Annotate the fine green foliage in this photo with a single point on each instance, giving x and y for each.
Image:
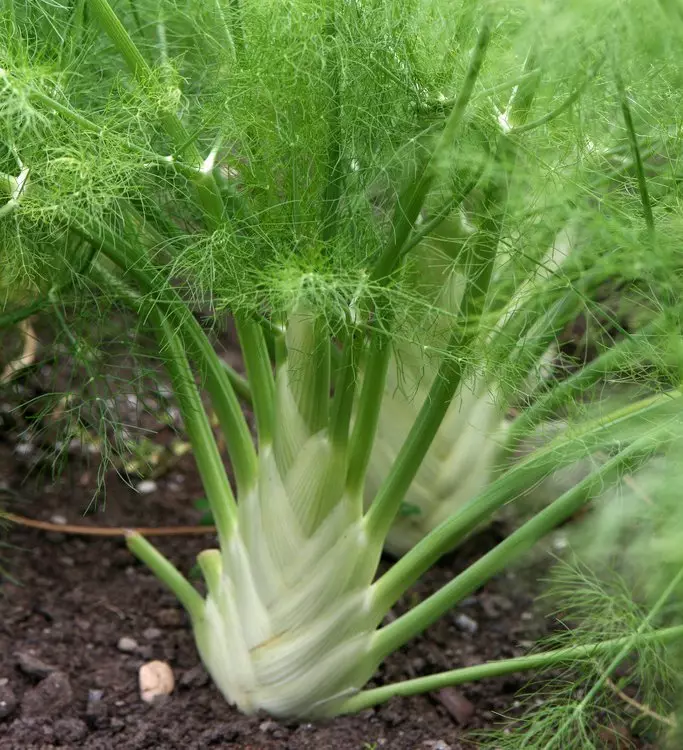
(393, 200)
(638, 587)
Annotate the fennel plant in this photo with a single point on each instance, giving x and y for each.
(293, 164)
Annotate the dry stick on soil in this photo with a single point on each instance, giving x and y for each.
(640, 707)
(69, 528)
(28, 353)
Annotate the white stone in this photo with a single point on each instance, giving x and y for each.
(155, 680)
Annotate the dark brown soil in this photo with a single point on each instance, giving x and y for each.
(74, 598)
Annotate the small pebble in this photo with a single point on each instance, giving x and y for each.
(146, 487)
(155, 680)
(152, 634)
(268, 726)
(59, 519)
(96, 710)
(466, 623)
(436, 745)
(33, 666)
(127, 645)
(169, 618)
(8, 701)
(24, 449)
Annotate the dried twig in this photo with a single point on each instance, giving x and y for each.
(640, 707)
(28, 353)
(107, 531)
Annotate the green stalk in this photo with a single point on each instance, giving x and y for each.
(66, 112)
(259, 374)
(224, 400)
(549, 659)
(238, 28)
(367, 418)
(390, 587)
(411, 201)
(454, 200)
(225, 26)
(137, 64)
(197, 426)
(635, 150)
(384, 507)
(239, 383)
(332, 194)
(560, 452)
(625, 650)
(308, 367)
(166, 572)
(344, 391)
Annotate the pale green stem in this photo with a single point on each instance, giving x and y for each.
(227, 33)
(211, 564)
(344, 390)
(308, 366)
(333, 187)
(441, 214)
(224, 399)
(367, 417)
(549, 659)
(239, 383)
(161, 35)
(137, 64)
(259, 374)
(390, 587)
(386, 503)
(197, 427)
(238, 28)
(168, 574)
(635, 149)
